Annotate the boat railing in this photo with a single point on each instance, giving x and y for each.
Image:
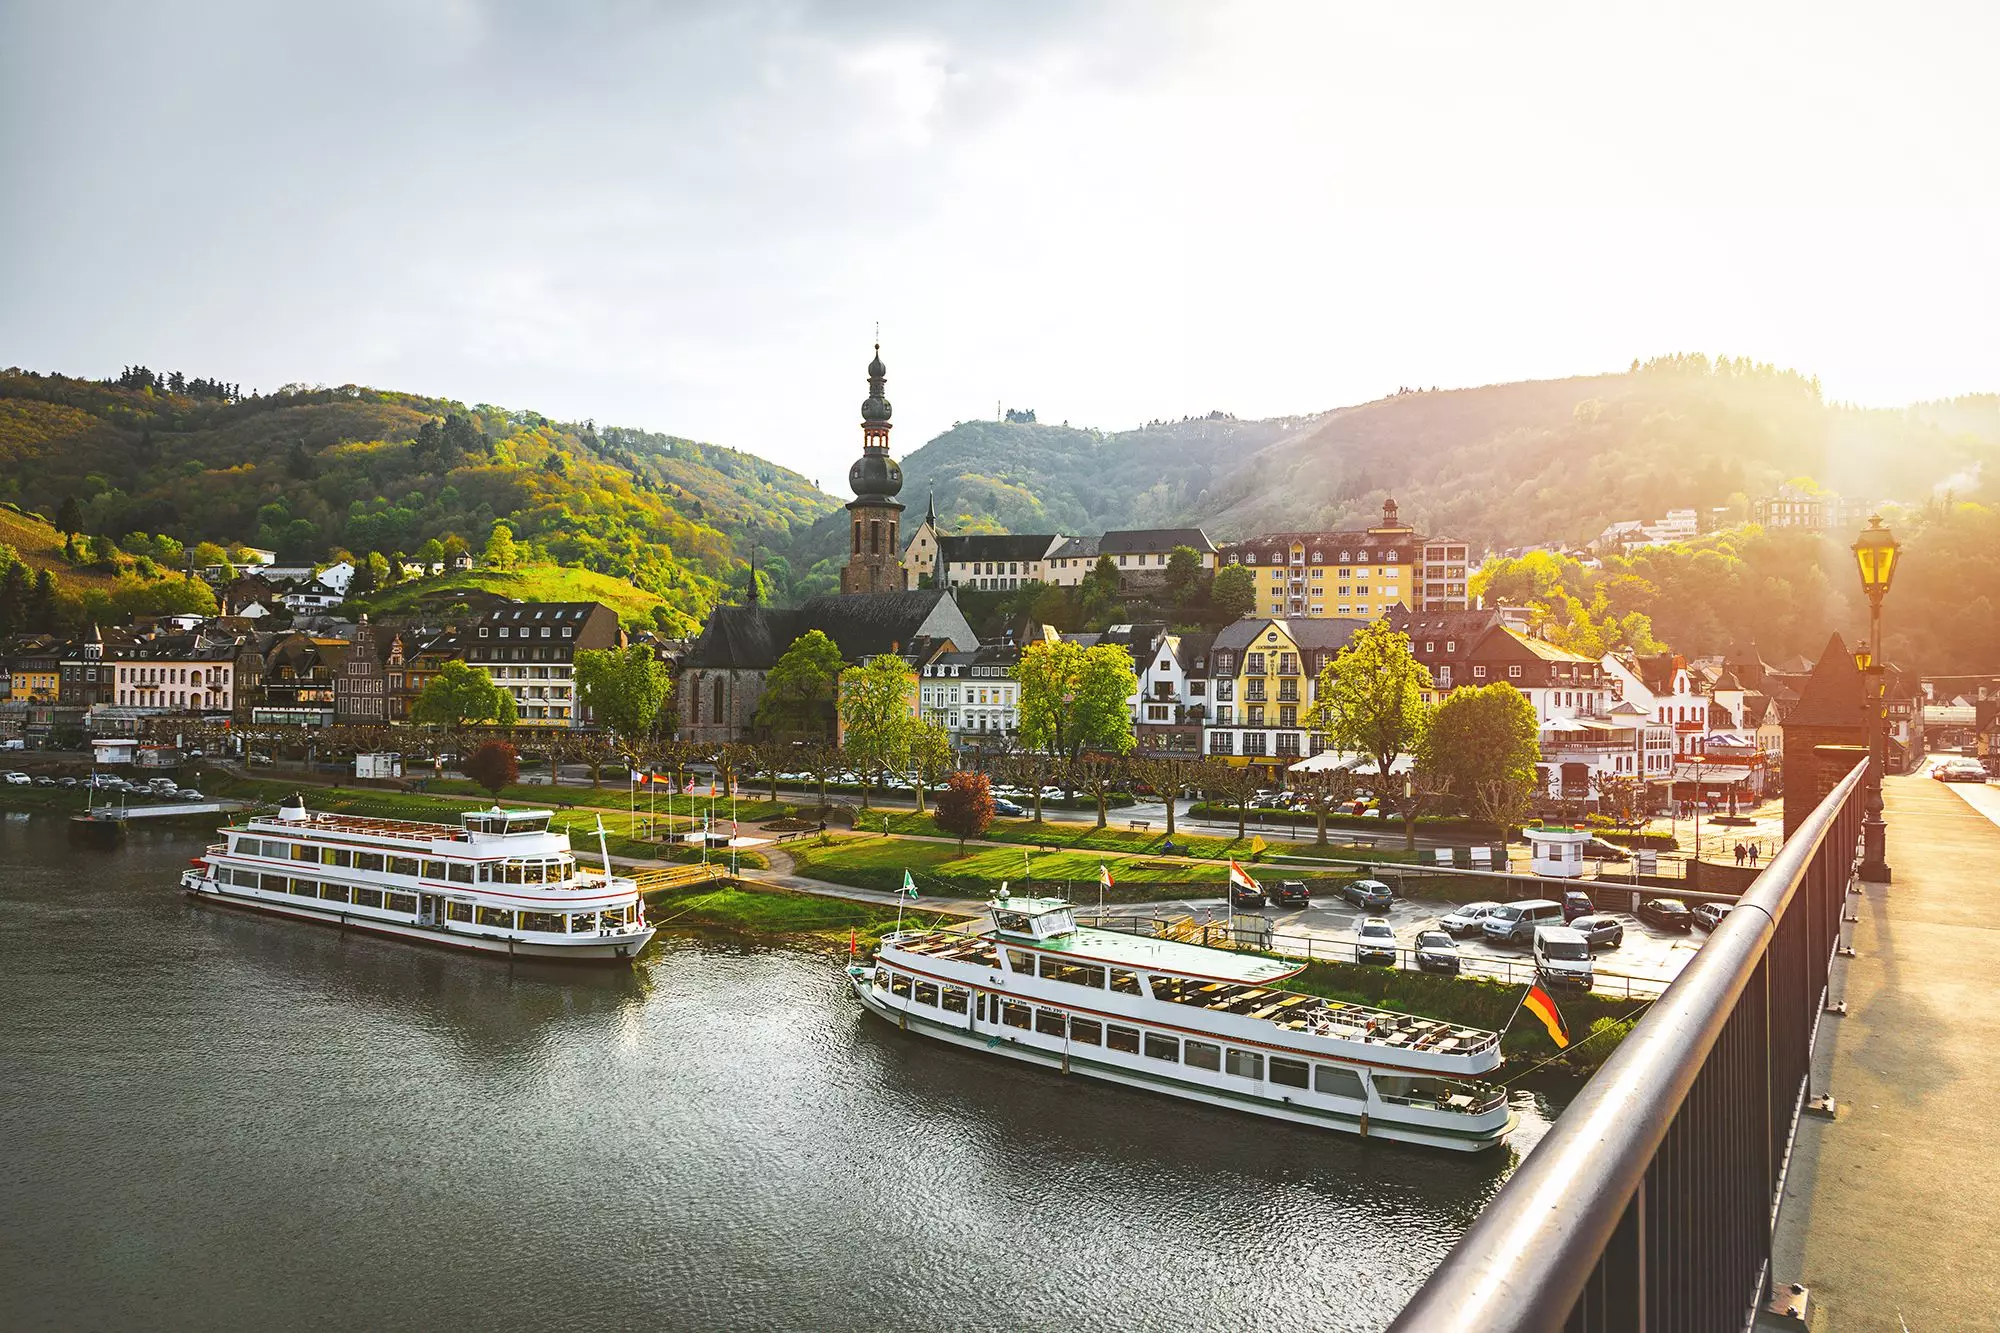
(1459, 1104)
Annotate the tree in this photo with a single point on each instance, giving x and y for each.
(1183, 574)
(799, 691)
(454, 546)
(431, 554)
(500, 553)
(208, 555)
(965, 807)
(1074, 699)
(1370, 701)
(1099, 588)
(15, 593)
(493, 766)
(1325, 790)
(1484, 741)
(876, 715)
(1167, 776)
(1237, 782)
(929, 755)
(818, 761)
(460, 694)
(624, 689)
(1100, 775)
(1234, 592)
(43, 606)
(69, 517)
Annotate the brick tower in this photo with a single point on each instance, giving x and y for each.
(874, 562)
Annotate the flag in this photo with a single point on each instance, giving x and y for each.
(1238, 875)
(689, 789)
(853, 942)
(1104, 874)
(909, 885)
(711, 786)
(1541, 1006)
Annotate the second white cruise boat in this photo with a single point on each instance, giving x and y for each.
(1208, 1024)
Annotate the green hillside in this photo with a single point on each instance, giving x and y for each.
(313, 473)
(102, 586)
(535, 583)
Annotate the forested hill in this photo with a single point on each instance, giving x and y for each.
(310, 472)
(1503, 465)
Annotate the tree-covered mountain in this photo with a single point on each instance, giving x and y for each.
(313, 472)
(1503, 465)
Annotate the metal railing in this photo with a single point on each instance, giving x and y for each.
(1650, 1203)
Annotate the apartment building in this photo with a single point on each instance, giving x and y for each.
(529, 649)
(1262, 674)
(1360, 574)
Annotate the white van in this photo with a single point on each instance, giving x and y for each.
(1514, 923)
(1562, 957)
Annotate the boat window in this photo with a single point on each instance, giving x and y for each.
(955, 999)
(1291, 1073)
(1076, 974)
(368, 861)
(1337, 1081)
(585, 923)
(1013, 1013)
(1050, 1022)
(1013, 921)
(899, 984)
(303, 852)
(336, 856)
(304, 888)
(1409, 1087)
(614, 916)
(368, 897)
(400, 902)
(277, 851)
(1179, 990)
(1126, 983)
(272, 883)
(403, 865)
(1246, 1064)
(1021, 962)
(246, 879)
(1086, 1032)
(458, 911)
(333, 893)
(433, 870)
(979, 1004)
(546, 921)
(1122, 1038)
(881, 978)
(461, 872)
(1159, 1046)
(927, 993)
(1203, 1055)
(496, 916)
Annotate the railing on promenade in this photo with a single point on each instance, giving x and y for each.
(1649, 1205)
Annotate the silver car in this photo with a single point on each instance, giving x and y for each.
(1600, 931)
(1467, 919)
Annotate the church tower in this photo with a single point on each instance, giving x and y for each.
(874, 559)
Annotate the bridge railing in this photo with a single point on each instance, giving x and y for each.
(1649, 1205)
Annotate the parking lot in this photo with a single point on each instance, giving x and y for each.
(1642, 966)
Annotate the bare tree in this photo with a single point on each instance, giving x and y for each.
(1236, 783)
(1167, 775)
(1325, 790)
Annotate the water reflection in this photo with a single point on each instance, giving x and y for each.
(229, 1122)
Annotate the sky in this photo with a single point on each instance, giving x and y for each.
(691, 218)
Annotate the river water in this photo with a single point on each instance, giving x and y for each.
(220, 1121)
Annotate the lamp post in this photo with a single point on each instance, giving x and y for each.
(1875, 556)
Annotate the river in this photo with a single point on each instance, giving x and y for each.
(220, 1121)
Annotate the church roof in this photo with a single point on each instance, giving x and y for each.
(861, 625)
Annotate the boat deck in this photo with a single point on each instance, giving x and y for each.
(1292, 1010)
(320, 821)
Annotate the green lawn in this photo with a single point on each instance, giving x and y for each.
(878, 863)
(766, 911)
(1123, 841)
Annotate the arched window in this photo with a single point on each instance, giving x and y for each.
(717, 710)
(857, 536)
(874, 536)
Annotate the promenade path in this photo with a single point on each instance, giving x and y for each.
(1891, 1213)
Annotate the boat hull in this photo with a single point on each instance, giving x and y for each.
(618, 949)
(1371, 1124)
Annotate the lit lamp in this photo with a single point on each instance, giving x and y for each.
(1875, 556)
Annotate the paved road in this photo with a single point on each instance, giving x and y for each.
(1892, 1212)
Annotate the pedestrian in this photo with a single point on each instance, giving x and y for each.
(1739, 853)
(1753, 854)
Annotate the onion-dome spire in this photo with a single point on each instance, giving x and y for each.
(876, 407)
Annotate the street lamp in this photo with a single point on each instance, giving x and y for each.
(1875, 556)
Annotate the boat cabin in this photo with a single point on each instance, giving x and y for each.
(1032, 918)
(505, 822)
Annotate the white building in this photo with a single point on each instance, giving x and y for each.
(178, 673)
(972, 695)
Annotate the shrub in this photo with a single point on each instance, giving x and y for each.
(965, 807)
(493, 766)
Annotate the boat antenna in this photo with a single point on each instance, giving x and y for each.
(603, 849)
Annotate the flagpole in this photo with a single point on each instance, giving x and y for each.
(1518, 1006)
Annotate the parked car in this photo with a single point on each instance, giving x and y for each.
(65, 782)
(1562, 957)
(1601, 932)
(1466, 920)
(1709, 915)
(1370, 893)
(1375, 942)
(1514, 923)
(1003, 806)
(1437, 952)
(13, 743)
(1667, 914)
(1577, 903)
(1241, 895)
(1291, 893)
(189, 794)
(265, 760)
(1959, 770)
(19, 779)
(45, 781)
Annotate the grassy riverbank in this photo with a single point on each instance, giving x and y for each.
(770, 913)
(878, 863)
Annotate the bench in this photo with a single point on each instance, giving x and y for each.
(1138, 825)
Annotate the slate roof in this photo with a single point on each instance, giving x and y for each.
(996, 546)
(1315, 633)
(1076, 548)
(1132, 541)
(861, 625)
(1832, 696)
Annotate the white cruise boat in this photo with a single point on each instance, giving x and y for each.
(498, 881)
(1190, 1021)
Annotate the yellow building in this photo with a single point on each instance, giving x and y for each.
(1262, 677)
(1361, 574)
(36, 677)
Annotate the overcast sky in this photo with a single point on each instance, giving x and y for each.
(690, 217)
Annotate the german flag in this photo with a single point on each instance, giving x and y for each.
(1541, 1006)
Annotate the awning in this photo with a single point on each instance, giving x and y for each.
(1336, 761)
(1712, 776)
